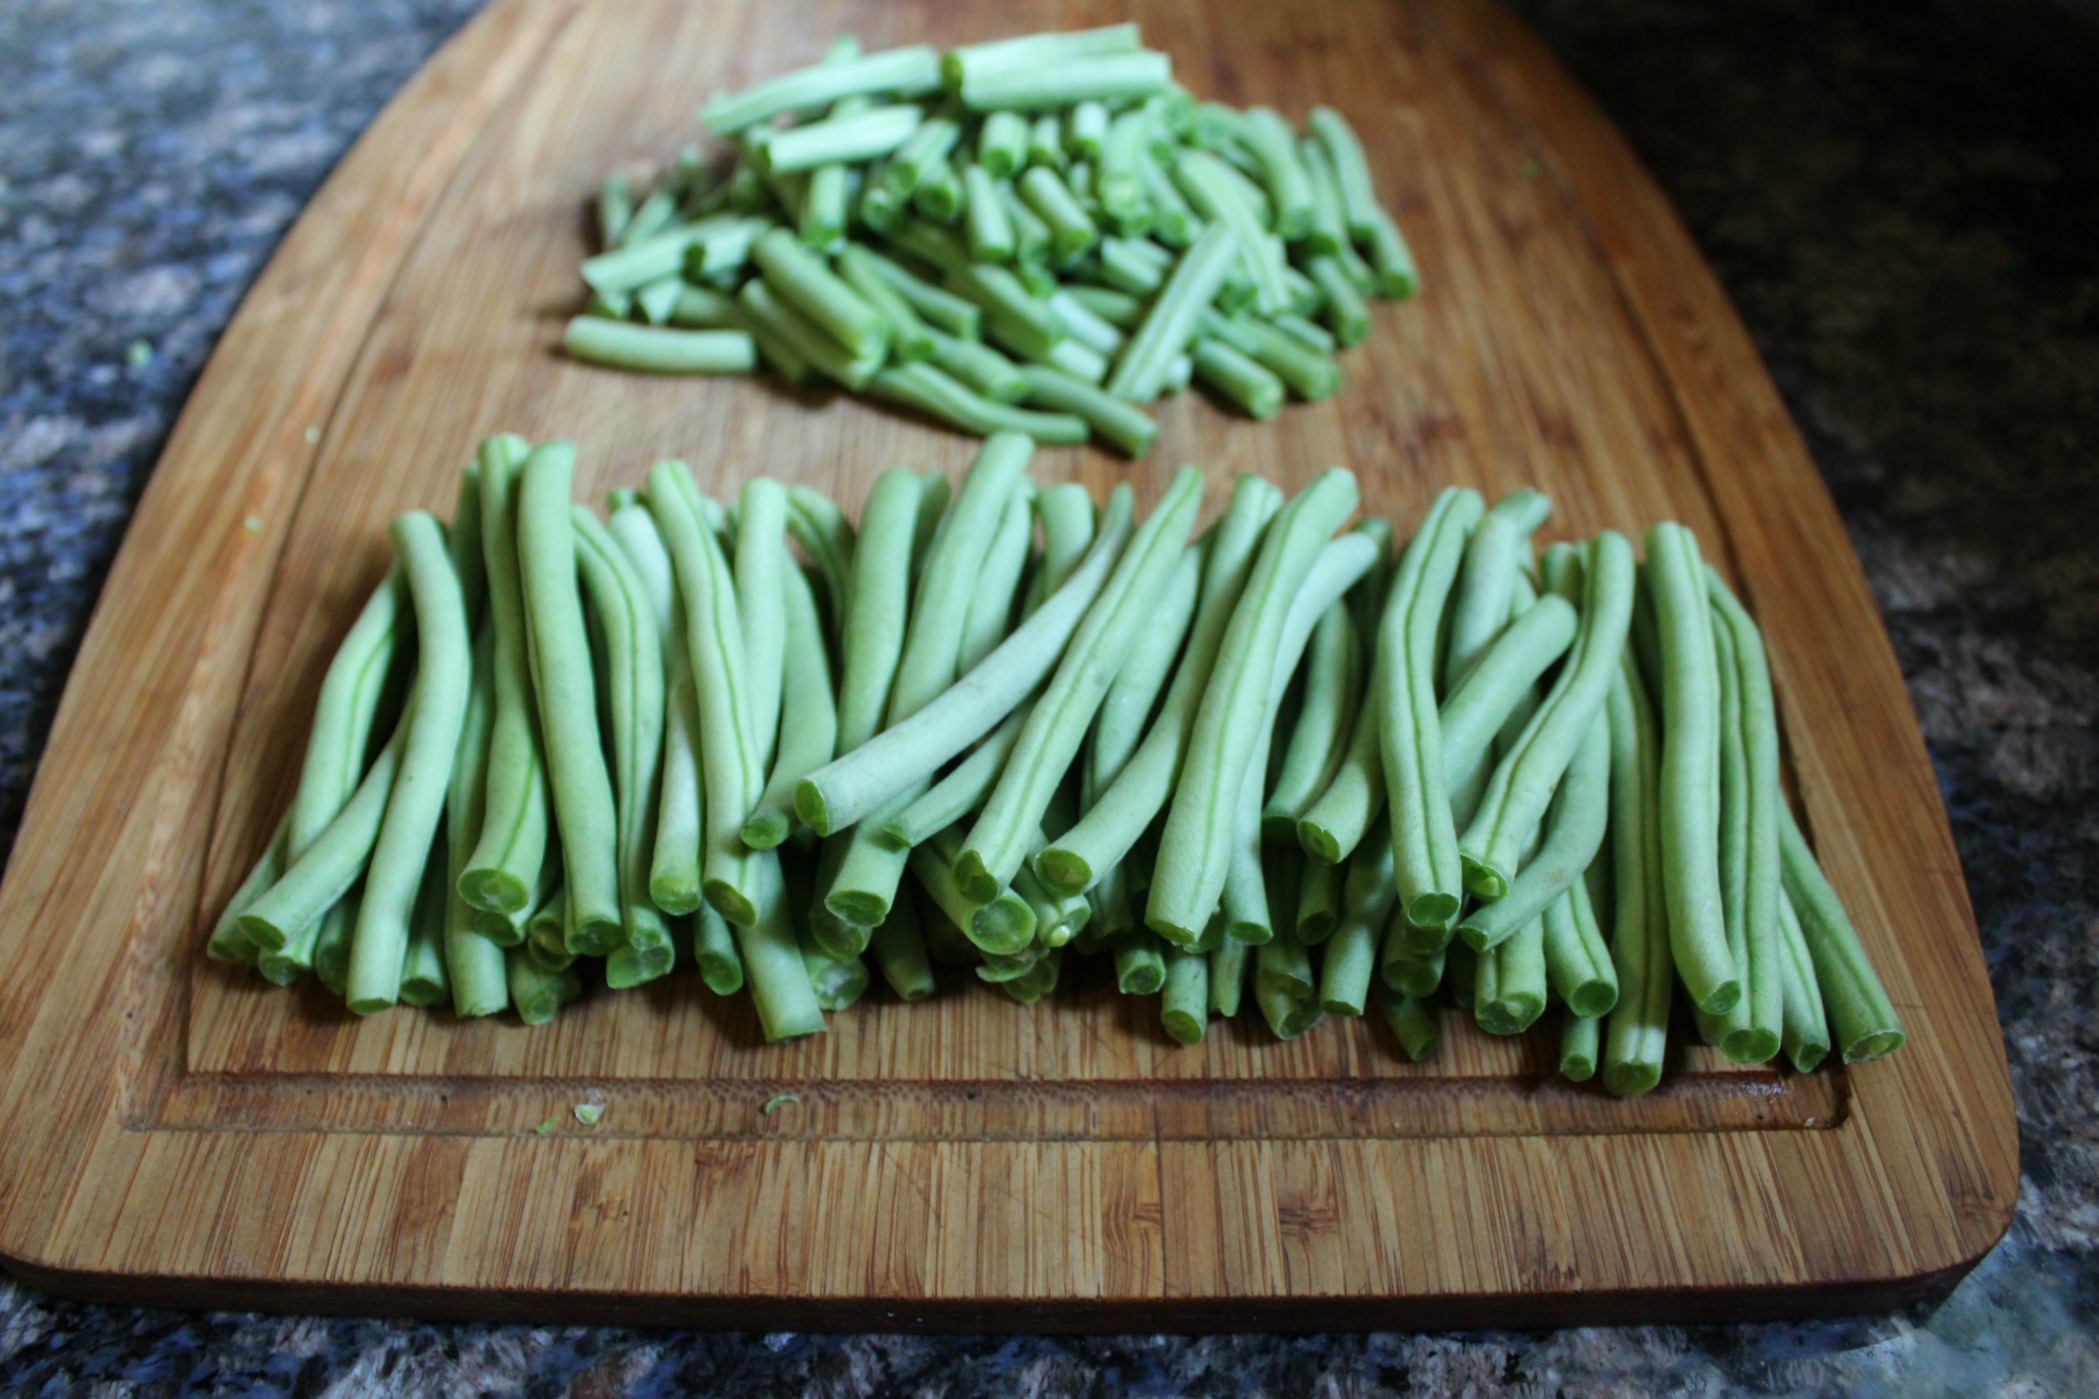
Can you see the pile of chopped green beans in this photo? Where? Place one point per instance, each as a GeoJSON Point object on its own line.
{"type": "Point", "coordinates": [1002, 727]}
{"type": "Point", "coordinates": [1035, 235]}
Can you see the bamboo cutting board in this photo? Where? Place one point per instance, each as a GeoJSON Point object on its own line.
{"type": "Point", "coordinates": [178, 1132]}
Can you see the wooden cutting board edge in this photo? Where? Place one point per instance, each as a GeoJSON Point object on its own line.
{"type": "Point", "coordinates": [247, 431]}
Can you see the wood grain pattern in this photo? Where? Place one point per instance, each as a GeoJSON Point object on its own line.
{"type": "Point", "coordinates": [182, 1133]}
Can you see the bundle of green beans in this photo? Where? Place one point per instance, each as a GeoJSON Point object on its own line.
{"type": "Point", "coordinates": [1003, 727]}
{"type": "Point", "coordinates": [1037, 235]}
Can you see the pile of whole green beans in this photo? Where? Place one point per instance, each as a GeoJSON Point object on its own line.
{"type": "Point", "coordinates": [1275, 752]}
{"type": "Point", "coordinates": [1036, 235]}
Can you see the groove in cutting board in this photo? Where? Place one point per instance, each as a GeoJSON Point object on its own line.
{"type": "Point", "coordinates": [969, 1161]}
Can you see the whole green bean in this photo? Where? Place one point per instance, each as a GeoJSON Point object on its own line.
{"type": "Point", "coordinates": [538, 991]}
{"type": "Point", "coordinates": [899, 947]}
{"type": "Point", "coordinates": [924, 736]}
{"type": "Point", "coordinates": [634, 667]}
{"type": "Point", "coordinates": [1424, 844]}
{"type": "Point", "coordinates": [990, 614]}
{"type": "Point", "coordinates": [1577, 959]}
{"type": "Point", "coordinates": [1480, 607]}
{"type": "Point", "coordinates": [1119, 815]}
{"type": "Point", "coordinates": [1325, 723]}
{"type": "Point", "coordinates": [822, 530]}
{"type": "Point", "coordinates": [379, 942]}
{"type": "Point", "coordinates": [474, 965]}
{"type": "Point", "coordinates": [564, 683]}
{"type": "Point", "coordinates": [907, 72]}
{"type": "Point", "coordinates": [1806, 1021]}
{"type": "Point", "coordinates": [1690, 755]}
{"type": "Point", "coordinates": [674, 860]}
{"type": "Point", "coordinates": [1761, 962]}
{"type": "Point", "coordinates": [1573, 834]}
{"type": "Point", "coordinates": [761, 560]}
{"type": "Point", "coordinates": [1523, 783]}
{"type": "Point", "coordinates": [877, 605]}
{"type": "Point", "coordinates": [1496, 684]}
{"type": "Point", "coordinates": [809, 716]}
{"type": "Point", "coordinates": [1127, 707]}
{"type": "Point", "coordinates": [730, 763]}
{"type": "Point", "coordinates": [1864, 1019]}
{"type": "Point", "coordinates": [1640, 937]}
{"type": "Point", "coordinates": [1195, 846]}
{"type": "Point", "coordinates": [1580, 1039]}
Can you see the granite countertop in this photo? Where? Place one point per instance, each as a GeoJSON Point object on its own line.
{"type": "Point", "coordinates": [1909, 223]}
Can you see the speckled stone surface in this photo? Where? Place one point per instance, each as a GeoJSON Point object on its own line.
{"type": "Point", "coordinates": [1910, 226]}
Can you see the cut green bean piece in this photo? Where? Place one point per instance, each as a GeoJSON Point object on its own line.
{"type": "Point", "coordinates": [907, 72]}
{"type": "Point", "coordinates": [401, 850]}
{"type": "Point", "coordinates": [925, 148]}
{"type": "Point", "coordinates": [1690, 756]}
{"type": "Point", "coordinates": [658, 349]}
{"type": "Point", "coordinates": [1392, 260]}
{"type": "Point", "coordinates": [1327, 230]}
{"type": "Point", "coordinates": [1033, 50]}
{"type": "Point", "coordinates": [1130, 428]}
{"type": "Point", "coordinates": [714, 949]}
{"type": "Point", "coordinates": [987, 224]}
{"type": "Point", "coordinates": [937, 307]}
{"type": "Point", "coordinates": [1342, 305]}
{"type": "Point", "coordinates": [1359, 207]}
{"type": "Point", "coordinates": [899, 948]}
{"type": "Point", "coordinates": [940, 196]}
{"type": "Point", "coordinates": [1215, 195]}
{"type": "Point", "coordinates": [1238, 378]}
{"type": "Point", "coordinates": [1171, 324]}
{"type": "Point", "coordinates": [910, 340]}
{"type": "Point", "coordinates": [1067, 81]}
{"type": "Point", "coordinates": [802, 280]}
{"type": "Point", "coordinates": [1002, 144]}
{"type": "Point", "coordinates": [979, 368]}
{"type": "Point", "coordinates": [946, 400]}
{"type": "Point", "coordinates": [847, 140]}
{"type": "Point", "coordinates": [1289, 186]}
{"type": "Point", "coordinates": [615, 208]}
{"type": "Point", "coordinates": [1140, 962]}
{"type": "Point", "coordinates": [805, 338]}
{"type": "Point", "coordinates": [1046, 142]}
{"type": "Point", "coordinates": [1806, 1035]}
{"type": "Point", "coordinates": [1410, 740]}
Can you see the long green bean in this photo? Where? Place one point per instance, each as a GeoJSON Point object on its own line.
{"type": "Point", "coordinates": [1573, 834]}
{"type": "Point", "coordinates": [1761, 961]}
{"type": "Point", "coordinates": [1424, 843]}
{"type": "Point", "coordinates": [1127, 707]}
{"type": "Point", "coordinates": [809, 716]}
{"type": "Point", "coordinates": [1690, 756]}
{"type": "Point", "coordinates": [634, 666]}
{"type": "Point", "coordinates": [906, 72]}
{"type": "Point", "coordinates": [1195, 845]}
{"type": "Point", "coordinates": [1524, 781]}
{"type": "Point", "coordinates": [1119, 815]}
{"type": "Point", "coordinates": [1171, 323]}
{"type": "Point", "coordinates": [1806, 1035]}
{"type": "Point", "coordinates": [1325, 723]}
{"type": "Point", "coordinates": [1640, 937]}
{"type": "Point", "coordinates": [1864, 1019]}
{"type": "Point", "coordinates": [731, 765]}
{"type": "Point", "coordinates": [379, 941]}
{"type": "Point", "coordinates": [474, 965]}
